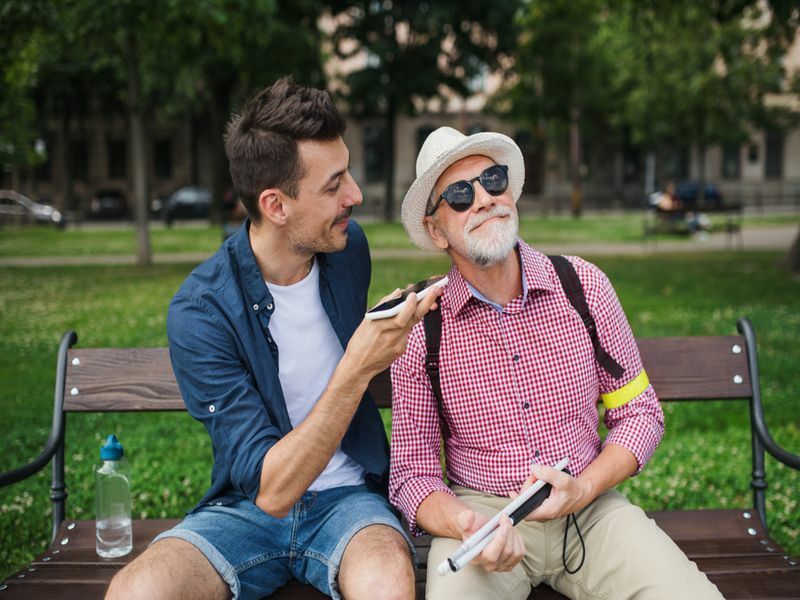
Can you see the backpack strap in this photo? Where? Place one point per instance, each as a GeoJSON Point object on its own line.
{"type": "Point", "coordinates": [433, 336]}
{"type": "Point", "coordinates": [574, 291]}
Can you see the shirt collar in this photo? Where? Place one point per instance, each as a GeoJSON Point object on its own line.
{"type": "Point", "coordinates": [536, 275]}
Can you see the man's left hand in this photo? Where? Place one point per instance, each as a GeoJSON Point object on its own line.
{"type": "Point", "coordinates": [569, 494]}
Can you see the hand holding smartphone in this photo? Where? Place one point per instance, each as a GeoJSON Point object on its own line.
{"type": "Point", "coordinates": [392, 307]}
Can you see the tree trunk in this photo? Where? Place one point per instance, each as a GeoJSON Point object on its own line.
{"type": "Point", "coordinates": [793, 258]}
{"type": "Point", "coordinates": [138, 154]}
{"type": "Point", "coordinates": [576, 203]}
{"type": "Point", "coordinates": [63, 200]}
{"type": "Point", "coordinates": [218, 107]}
{"type": "Point", "coordinates": [388, 165]}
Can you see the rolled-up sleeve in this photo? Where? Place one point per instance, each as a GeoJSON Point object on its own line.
{"type": "Point", "coordinates": [219, 391]}
{"type": "Point", "coordinates": [633, 414]}
{"type": "Point", "coordinates": [415, 471]}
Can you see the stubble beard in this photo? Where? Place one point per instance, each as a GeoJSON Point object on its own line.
{"type": "Point", "coordinates": [332, 239]}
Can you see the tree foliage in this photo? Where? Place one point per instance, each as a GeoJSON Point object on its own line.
{"type": "Point", "coordinates": [662, 72]}
{"type": "Point", "coordinates": [415, 51]}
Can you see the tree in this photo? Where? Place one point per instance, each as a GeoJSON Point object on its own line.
{"type": "Point", "coordinates": [562, 70]}
{"type": "Point", "coordinates": [224, 51]}
{"type": "Point", "coordinates": [21, 51]}
{"type": "Point", "coordinates": [176, 56]}
{"type": "Point", "coordinates": [416, 51]}
{"type": "Point", "coordinates": [700, 74]}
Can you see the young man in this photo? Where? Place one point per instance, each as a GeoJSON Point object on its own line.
{"type": "Point", "coordinates": [271, 354]}
{"type": "Point", "coordinates": [519, 379]}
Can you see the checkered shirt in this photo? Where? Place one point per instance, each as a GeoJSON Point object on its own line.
{"type": "Point", "coordinates": [518, 386]}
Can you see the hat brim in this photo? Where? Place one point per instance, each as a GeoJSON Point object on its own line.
{"type": "Point", "coordinates": [500, 148]}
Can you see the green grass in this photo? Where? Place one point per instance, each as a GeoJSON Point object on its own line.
{"type": "Point", "coordinates": [42, 241]}
{"type": "Point", "coordinates": [702, 462]}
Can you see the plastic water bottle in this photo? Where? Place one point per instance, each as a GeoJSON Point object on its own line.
{"type": "Point", "coordinates": [113, 501]}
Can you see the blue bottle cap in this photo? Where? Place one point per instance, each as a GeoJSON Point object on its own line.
{"type": "Point", "coordinates": [112, 449]}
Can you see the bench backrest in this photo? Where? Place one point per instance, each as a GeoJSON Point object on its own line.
{"type": "Point", "coordinates": [133, 379]}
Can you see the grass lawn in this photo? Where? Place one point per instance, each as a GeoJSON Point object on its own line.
{"type": "Point", "coordinates": [43, 241]}
{"type": "Point", "coordinates": [703, 461]}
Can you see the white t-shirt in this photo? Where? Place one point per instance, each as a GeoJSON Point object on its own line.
{"type": "Point", "coordinates": [308, 353]}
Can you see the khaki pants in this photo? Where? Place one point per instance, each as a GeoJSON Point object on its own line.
{"type": "Point", "coordinates": [627, 556]}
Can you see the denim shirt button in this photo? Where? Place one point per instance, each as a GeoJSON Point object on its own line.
{"type": "Point", "coordinates": [255, 306]}
{"type": "Point", "coordinates": [211, 408]}
{"type": "Point", "coordinates": [269, 306]}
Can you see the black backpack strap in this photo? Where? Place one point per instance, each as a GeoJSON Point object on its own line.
{"type": "Point", "coordinates": [574, 291]}
{"type": "Point", "coordinates": [433, 336]}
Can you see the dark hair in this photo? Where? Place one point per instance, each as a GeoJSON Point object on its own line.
{"type": "Point", "coordinates": [261, 142]}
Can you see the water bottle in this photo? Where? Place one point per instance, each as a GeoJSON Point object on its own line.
{"type": "Point", "coordinates": [113, 501]}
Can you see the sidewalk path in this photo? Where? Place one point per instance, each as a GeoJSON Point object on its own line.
{"type": "Point", "coordinates": [753, 238]}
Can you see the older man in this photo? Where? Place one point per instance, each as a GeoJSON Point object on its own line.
{"type": "Point", "coordinates": [523, 360]}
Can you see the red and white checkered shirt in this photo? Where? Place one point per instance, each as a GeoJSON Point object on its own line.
{"type": "Point", "coordinates": [518, 386]}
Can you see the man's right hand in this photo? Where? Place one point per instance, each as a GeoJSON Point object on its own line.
{"type": "Point", "coordinates": [375, 344]}
{"type": "Point", "coordinates": [506, 548]}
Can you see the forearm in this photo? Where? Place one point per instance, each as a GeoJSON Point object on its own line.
{"type": "Point", "coordinates": [294, 462]}
{"type": "Point", "coordinates": [438, 515]}
{"type": "Point", "coordinates": [611, 467]}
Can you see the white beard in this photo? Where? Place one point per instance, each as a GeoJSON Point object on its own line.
{"type": "Point", "coordinates": [495, 241]}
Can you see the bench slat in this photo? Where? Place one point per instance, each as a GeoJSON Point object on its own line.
{"type": "Point", "coordinates": [120, 379]}
{"type": "Point", "coordinates": [128, 379]}
{"type": "Point", "coordinates": [672, 366]}
{"type": "Point", "coordinates": [717, 540]}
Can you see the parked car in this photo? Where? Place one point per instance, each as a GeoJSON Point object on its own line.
{"type": "Point", "coordinates": [190, 202]}
{"type": "Point", "coordinates": [16, 208]}
{"type": "Point", "coordinates": [108, 204]}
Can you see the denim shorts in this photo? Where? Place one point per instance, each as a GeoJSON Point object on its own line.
{"type": "Point", "coordinates": [256, 554]}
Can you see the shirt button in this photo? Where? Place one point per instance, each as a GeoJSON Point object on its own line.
{"type": "Point", "coordinates": [255, 306]}
{"type": "Point", "coordinates": [526, 405]}
{"type": "Point", "coordinates": [516, 358]}
{"type": "Point", "coordinates": [211, 408]}
{"type": "Point", "coordinates": [269, 306]}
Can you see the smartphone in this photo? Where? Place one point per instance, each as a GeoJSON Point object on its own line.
{"type": "Point", "coordinates": [390, 308]}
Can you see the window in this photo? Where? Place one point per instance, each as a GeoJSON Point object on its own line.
{"type": "Point", "coordinates": [731, 161]}
{"type": "Point", "coordinates": [79, 159]}
{"type": "Point", "coordinates": [117, 159]}
{"type": "Point", "coordinates": [374, 159]}
{"type": "Point", "coordinates": [162, 158]}
{"type": "Point", "coordinates": [676, 164]}
{"type": "Point", "coordinates": [773, 155]}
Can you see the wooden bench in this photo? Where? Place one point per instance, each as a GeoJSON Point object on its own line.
{"type": "Point", "coordinates": [732, 546]}
{"type": "Point", "coordinates": [658, 220]}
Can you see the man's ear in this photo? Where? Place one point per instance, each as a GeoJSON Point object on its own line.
{"type": "Point", "coordinates": [435, 232]}
{"type": "Point", "coordinates": [271, 205]}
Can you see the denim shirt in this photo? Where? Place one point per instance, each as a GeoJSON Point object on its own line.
{"type": "Point", "coordinates": [226, 362]}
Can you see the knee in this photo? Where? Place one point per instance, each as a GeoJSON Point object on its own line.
{"type": "Point", "coordinates": [127, 585]}
{"type": "Point", "coordinates": [378, 567]}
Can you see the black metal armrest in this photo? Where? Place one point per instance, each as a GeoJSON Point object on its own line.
{"type": "Point", "coordinates": [57, 429]}
{"type": "Point", "coordinates": [745, 327]}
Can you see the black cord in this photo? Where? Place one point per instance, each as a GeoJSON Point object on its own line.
{"type": "Point", "coordinates": [564, 551]}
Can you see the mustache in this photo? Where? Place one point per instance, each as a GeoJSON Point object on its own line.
{"type": "Point", "coordinates": [344, 216]}
{"type": "Point", "coordinates": [477, 220]}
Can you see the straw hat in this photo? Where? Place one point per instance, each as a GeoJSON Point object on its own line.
{"type": "Point", "coordinates": [441, 149]}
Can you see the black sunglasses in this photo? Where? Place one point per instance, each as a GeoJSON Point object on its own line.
{"type": "Point", "coordinates": [461, 194]}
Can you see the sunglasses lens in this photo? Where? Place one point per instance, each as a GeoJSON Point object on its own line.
{"type": "Point", "coordinates": [459, 195]}
{"type": "Point", "coordinates": [494, 180]}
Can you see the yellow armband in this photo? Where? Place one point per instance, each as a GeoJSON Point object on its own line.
{"type": "Point", "coordinates": [627, 392]}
